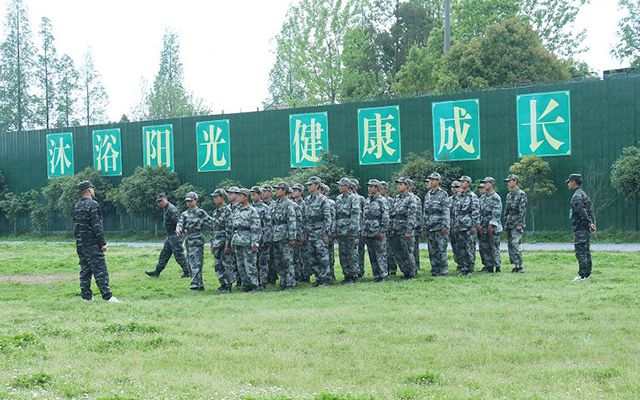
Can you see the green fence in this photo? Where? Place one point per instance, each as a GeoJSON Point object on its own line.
{"type": "Point", "coordinates": [605, 117]}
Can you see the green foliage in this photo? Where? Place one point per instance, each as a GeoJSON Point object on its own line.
{"type": "Point", "coordinates": [11, 206]}
{"type": "Point", "coordinates": [428, 378]}
{"type": "Point", "coordinates": [32, 381]}
{"type": "Point", "coordinates": [46, 67]}
{"type": "Point", "coordinates": [68, 194]}
{"type": "Point", "coordinates": [93, 95]}
{"type": "Point", "coordinates": [533, 174]}
{"type": "Point", "coordinates": [416, 75]}
{"type": "Point", "coordinates": [362, 76]}
{"type": "Point", "coordinates": [3, 184]}
{"type": "Point", "coordinates": [418, 167]}
{"type": "Point", "coordinates": [472, 18]}
{"type": "Point", "coordinates": [227, 183]}
{"type": "Point", "coordinates": [625, 173]}
{"type": "Point", "coordinates": [628, 47]}
{"type": "Point", "coordinates": [67, 92]}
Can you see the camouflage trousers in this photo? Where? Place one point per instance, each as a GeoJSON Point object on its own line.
{"type": "Point", "coordinates": [514, 238]}
{"type": "Point", "coordinates": [403, 252]}
{"type": "Point", "coordinates": [360, 259]}
{"type": "Point", "coordinates": [272, 269]}
{"type": "Point", "coordinates": [490, 249]}
{"type": "Point", "coordinates": [392, 265]}
{"type": "Point", "coordinates": [246, 261]}
{"type": "Point", "coordinates": [348, 253]}
{"type": "Point", "coordinates": [317, 259]}
{"type": "Point", "coordinates": [300, 264]}
{"type": "Point", "coordinates": [283, 260]}
{"type": "Point", "coordinates": [416, 250]}
{"type": "Point", "coordinates": [332, 258]}
{"type": "Point", "coordinates": [223, 265]}
{"type": "Point", "coordinates": [265, 264]}
{"type": "Point", "coordinates": [195, 255]}
{"type": "Point", "coordinates": [92, 263]}
{"type": "Point", "coordinates": [438, 253]}
{"type": "Point", "coordinates": [456, 250]}
{"type": "Point", "coordinates": [581, 244]}
{"type": "Point", "coordinates": [466, 245]}
{"type": "Point", "coordinates": [173, 246]}
{"type": "Point", "coordinates": [377, 249]}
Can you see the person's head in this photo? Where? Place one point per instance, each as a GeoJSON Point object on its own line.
{"type": "Point", "coordinates": [161, 200]}
{"type": "Point", "coordinates": [574, 181]}
{"type": "Point", "coordinates": [325, 189]}
{"type": "Point", "coordinates": [410, 184]}
{"type": "Point", "coordinates": [384, 188]}
{"type": "Point", "coordinates": [512, 181]}
{"type": "Point", "coordinates": [219, 197]}
{"type": "Point", "coordinates": [86, 189]}
{"type": "Point", "coordinates": [455, 188]}
{"type": "Point", "coordinates": [402, 185]}
{"type": "Point", "coordinates": [267, 192]}
{"type": "Point", "coordinates": [355, 185]}
{"type": "Point", "coordinates": [256, 194]}
{"type": "Point", "coordinates": [243, 196]}
{"type": "Point", "coordinates": [313, 184]}
{"type": "Point", "coordinates": [191, 199]}
{"type": "Point", "coordinates": [282, 189]}
{"type": "Point", "coordinates": [344, 185]}
{"type": "Point", "coordinates": [233, 194]}
{"type": "Point", "coordinates": [488, 184]}
{"type": "Point", "coordinates": [373, 187]}
{"type": "Point", "coordinates": [465, 181]}
{"type": "Point", "coordinates": [296, 191]}
{"type": "Point", "coordinates": [433, 180]}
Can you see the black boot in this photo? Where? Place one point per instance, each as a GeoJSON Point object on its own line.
{"type": "Point", "coordinates": [153, 274]}
{"type": "Point", "coordinates": [185, 274]}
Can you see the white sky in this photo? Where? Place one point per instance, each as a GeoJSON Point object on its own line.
{"type": "Point", "coordinates": [226, 45]}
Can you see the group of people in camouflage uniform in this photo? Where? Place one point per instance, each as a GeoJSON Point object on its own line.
{"type": "Point", "coordinates": [258, 239]}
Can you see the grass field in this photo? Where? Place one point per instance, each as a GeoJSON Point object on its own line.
{"type": "Point", "coordinates": [527, 336]}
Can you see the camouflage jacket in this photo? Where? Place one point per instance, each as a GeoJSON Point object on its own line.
{"type": "Point", "coordinates": [403, 214]}
{"type": "Point", "coordinates": [348, 215]}
{"type": "Point", "coordinates": [436, 210]}
{"type": "Point", "coordinates": [581, 211]}
{"type": "Point", "coordinates": [87, 222]}
{"type": "Point", "coordinates": [192, 221]}
{"type": "Point", "coordinates": [246, 227]}
{"type": "Point", "coordinates": [361, 201]}
{"type": "Point", "coordinates": [170, 217]}
{"type": "Point", "coordinates": [375, 215]}
{"type": "Point", "coordinates": [332, 206]}
{"type": "Point", "coordinates": [515, 208]}
{"type": "Point", "coordinates": [419, 216]}
{"type": "Point", "coordinates": [284, 220]}
{"type": "Point", "coordinates": [264, 211]}
{"type": "Point", "coordinates": [316, 216]}
{"type": "Point", "coordinates": [298, 205]}
{"type": "Point", "coordinates": [491, 211]}
{"type": "Point", "coordinates": [221, 227]}
{"type": "Point", "coordinates": [452, 209]}
{"type": "Point", "coordinates": [467, 211]}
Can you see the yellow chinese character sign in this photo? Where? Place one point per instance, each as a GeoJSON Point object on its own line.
{"type": "Point", "coordinates": [379, 135]}
{"type": "Point", "coordinates": [157, 146]}
{"type": "Point", "coordinates": [59, 155]}
{"type": "Point", "coordinates": [544, 124]}
{"type": "Point", "coordinates": [107, 152]}
{"type": "Point", "coordinates": [456, 130]}
{"type": "Point", "coordinates": [214, 146]}
{"type": "Point", "coordinates": [308, 138]}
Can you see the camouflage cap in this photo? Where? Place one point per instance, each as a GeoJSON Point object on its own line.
{"type": "Point", "coordinates": [481, 184]}
{"type": "Point", "coordinates": [574, 177]}
{"type": "Point", "coordinates": [220, 192]}
{"type": "Point", "coordinates": [488, 179]}
{"type": "Point", "coordinates": [374, 182]}
{"type": "Point", "coordinates": [256, 189]}
{"type": "Point", "coordinates": [465, 178]}
{"type": "Point", "coordinates": [434, 175]}
{"type": "Point", "coordinates": [314, 179]}
{"type": "Point", "coordinates": [455, 184]}
{"type": "Point", "coordinates": [297, 186]}
{"type": "Point", "coordinates": [283, 185]}
{"type": "Point", "coordinates": [245, 191]}
{"type": "Point", "coordinates": [345, 182]}
{"type": "Point", "coordinates": [384, 184]}
{"type": "Point", "coordinates": [325, 187]}
{"type": "Point", "coordinates": [160, 196]}
{"type": "Point", "coordinates": [267, 188]}
{"type": "Point", "coordinates": [355, 183]}
{"type": "Point", "coordinates": [511, 177]}
{"type": "Point", "coordinates": [410, 181]}
{"type": "Point", "coordinates": [404, 180]}
{"type": "Point", "coordinates": [233, 189]}
{"type": "Point", "coordinates": [191, 196]}
{"type": "Point", "coordinates": [84, 185]}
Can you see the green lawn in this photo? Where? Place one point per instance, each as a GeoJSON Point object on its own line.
{"type": "Point", "coordinates": [527, 336]}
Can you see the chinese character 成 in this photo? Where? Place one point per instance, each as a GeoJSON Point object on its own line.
{"type": "Point", "coordinates": [456, 133]}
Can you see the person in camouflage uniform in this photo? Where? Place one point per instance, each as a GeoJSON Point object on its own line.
{"type": "Point", "coordinates": [583, 223]}
{"type": "Point", "coordinates": [436, 224]}
{"type": "Point", "coordinates": [233, 193]}
{"type": "Point", "coordinates": [419, 224]}
{"type": "Point", "coordinates": [483, 255]}
{"type": "Point", "coordinates": [392, 265]}
{"type": "Point", "coordinates": [191, 223]}
{"type": "Point", "coordinates": [90, 244]}
{"type": "Point", "coordinates": [490, 214]}
{"type": "Point", "coordinates": [355, 187]}
{"type": "Point", "coordinates": [300, 262]}
{"type": "Point", "coordinates": [264, 250]}
{"type": "Point", "coordinates": [267, 197]}
{"type": "Point", "coordinates": [326, 191]}
{"type": "Point", "coordinates": [283, 218]}
{"type": "Point", "coordinates": [467, 219]}
{"type": "Point", "coordinates": [402, 228]}
{"type": "Point", "coordinates": [221, 241]}
{"type": "Point", "coordinates": [375, 225]}
{"type": "Point", "coordinates": [455, 193]}
{"type": "Point", "coordinates": [316, 217]}
{"type": "Point", "coordinates": [245, 240]}
{"type": "Point", "coordinates": [172, 244]}
{"type": "Point", "coordinates": [515, 208]}
{"type": "Point", "coordinates": [347, 229]}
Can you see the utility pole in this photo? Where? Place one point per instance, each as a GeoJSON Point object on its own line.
{"type": "Point", "coordinates": [447, 25]}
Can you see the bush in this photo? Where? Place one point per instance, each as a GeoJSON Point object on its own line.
{"type": "Point", "coordinates": [532, 172]}
{"type": "Point", "coordinates": [625, 173]}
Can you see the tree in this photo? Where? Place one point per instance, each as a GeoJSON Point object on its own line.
{"type": "Point", "coordinates": [416, 76]}
{"type": "Point", "coordinates": [472, 18]}
{"type": "Point", "coordinates": [12, 206]}
{"type": "Point", "coordinates": [628, 47]}
{"type": "Point", "coordinates": [137, 192]}
{"type": "Point", "coordinates": [67, 92]}
{"type": "Point", "coordinates": [533, 174]}
{"type": "Point", "coordinates": [362, 75]}
{"type": "Point", "coordinates": [419, 166]}
{"type": "Point", "coordinates": [16, 74]}
{"type": "Point", "coordinates": [624, 173]}
{"type": "Point", "coordinates": [46, 67]}
{"type": "Point", "coordinates": [94, 97]}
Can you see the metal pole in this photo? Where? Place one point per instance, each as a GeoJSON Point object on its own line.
{"type": "Point", "coordinates": [447, 25]}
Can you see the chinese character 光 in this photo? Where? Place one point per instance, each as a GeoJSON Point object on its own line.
{"type": "Point", "coordinates": [107, 156]}
{"type": "Point", "coordinates": [58, 156]}
{"type": "Point", "coordinates": [158, 147]}
{"type": "Point", "coordinates": [377, 136]}
{"type": "Point", "coordinates": [307, 141]}
{"type": "Point", "coordinates": [212, 139]}
{"type": "Point", "coordinates": [536, 120]}
{"type": "Point", "coordinates": [456, 133]}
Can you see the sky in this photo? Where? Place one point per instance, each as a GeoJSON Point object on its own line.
{"type": "Point", "coordinates": [226, 45]}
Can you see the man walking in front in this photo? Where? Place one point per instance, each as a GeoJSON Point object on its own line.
{"type": "Point", "coordinates": [584, 224]}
